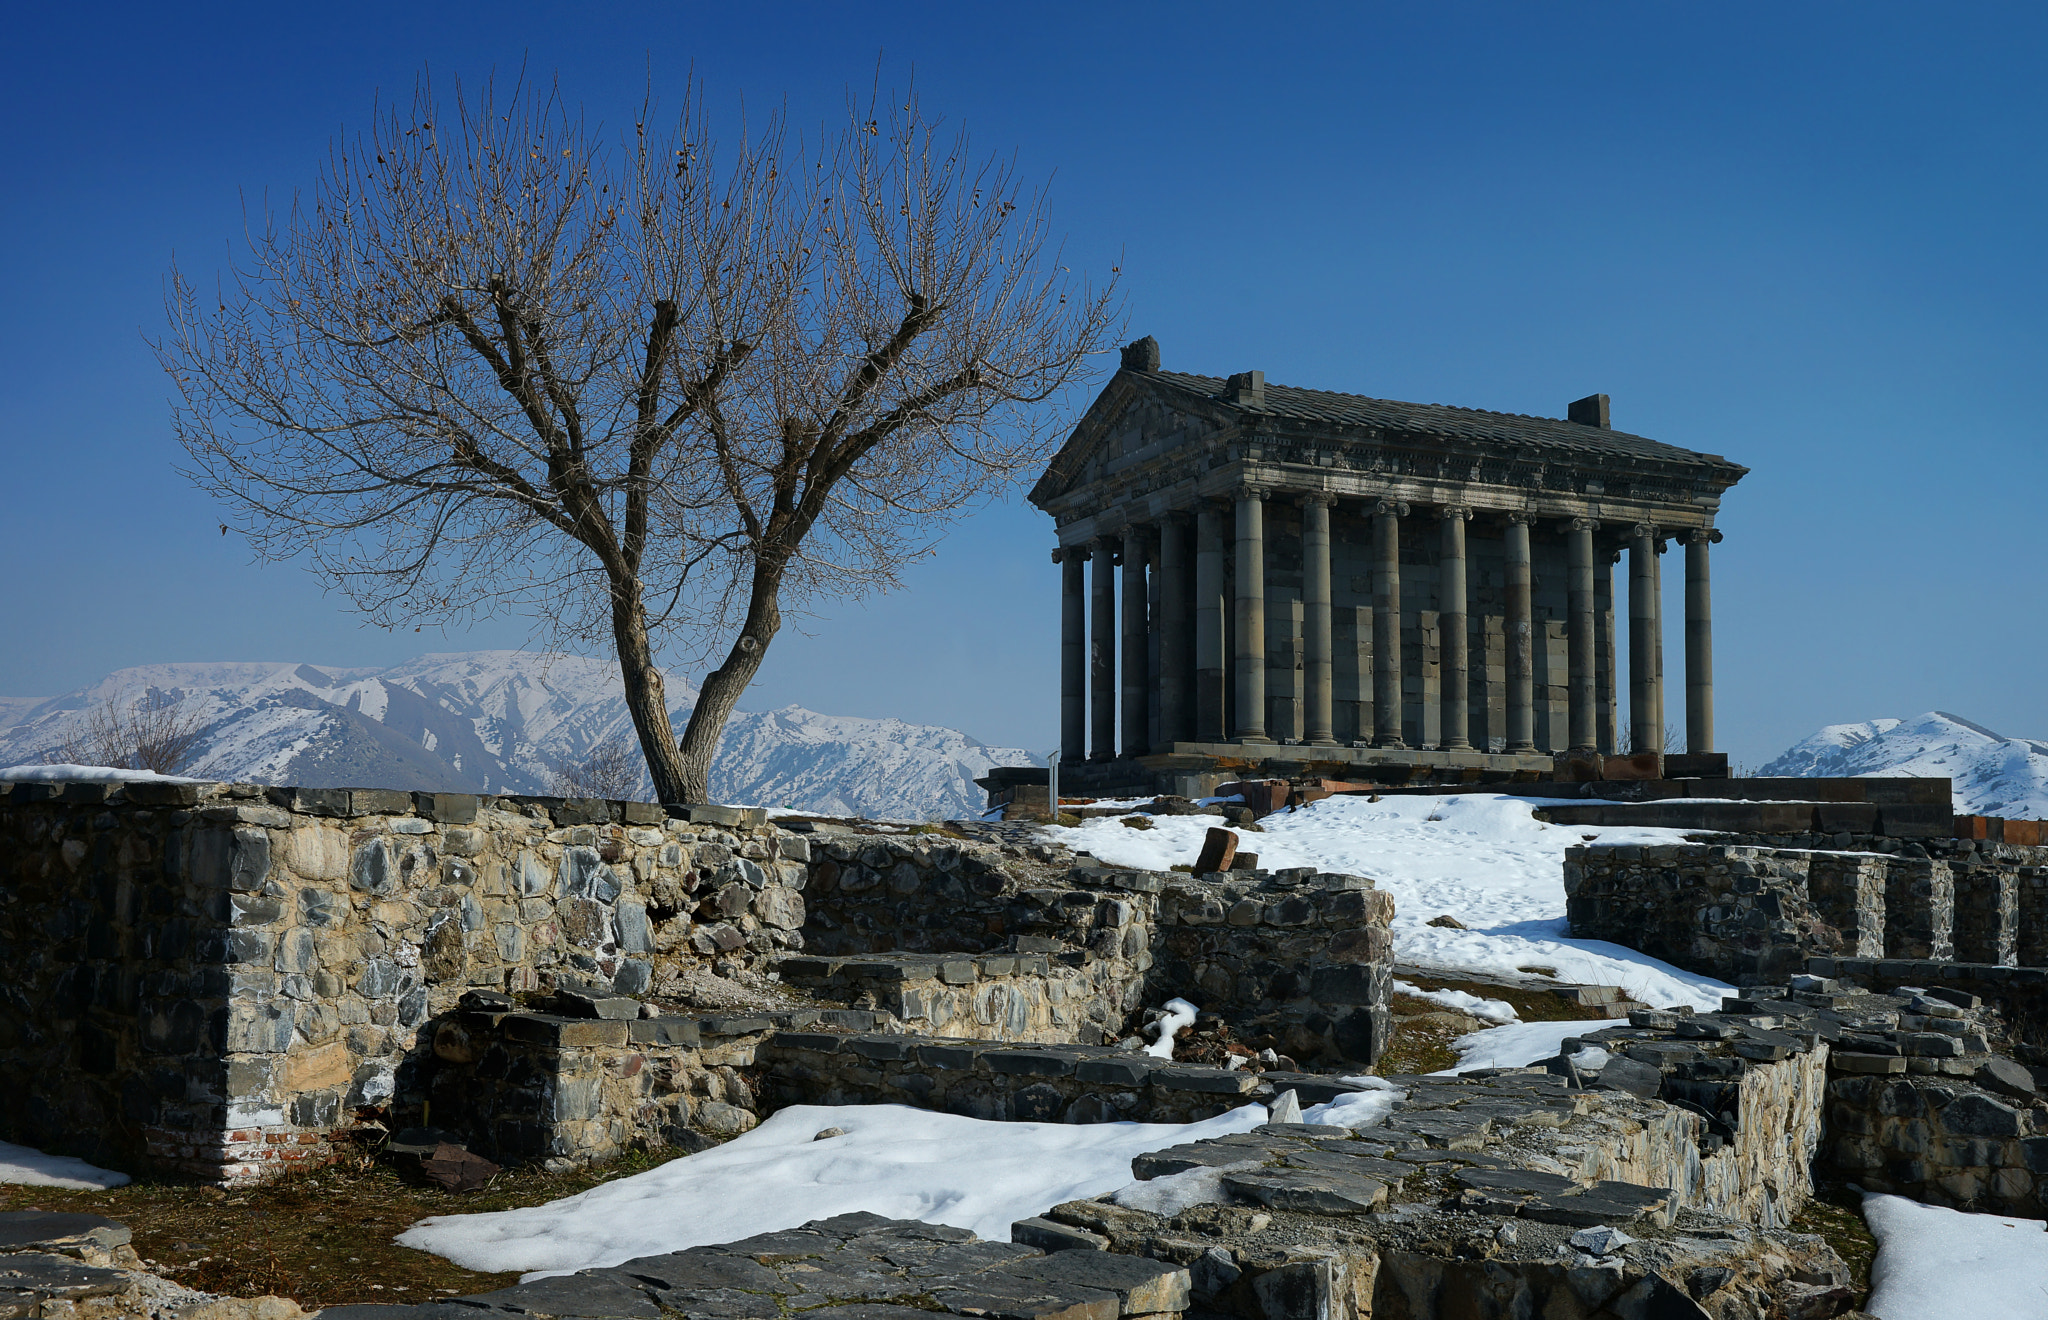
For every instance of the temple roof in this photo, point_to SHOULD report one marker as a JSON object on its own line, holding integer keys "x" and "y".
{"x": 1332, "y": 408}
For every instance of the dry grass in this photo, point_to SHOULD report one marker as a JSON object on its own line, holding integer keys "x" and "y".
{"x": 321, "y": 1238}
{"x": 1836, "y": 1214}
{"x": 1423, "y": 1031}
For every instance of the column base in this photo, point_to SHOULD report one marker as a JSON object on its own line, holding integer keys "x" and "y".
{"x": 1324, "y": 742}
{"x": 1391, "y": 745}
{"x": 1252, "y": 738}
{"x": 1517, "y": 749}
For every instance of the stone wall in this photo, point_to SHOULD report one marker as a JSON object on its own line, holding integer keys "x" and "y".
{"x": 1299, "y": 955}
{"x": 1004, "y": 996}
{"x": 1035, "y": 1084}
{"x": 1748, "y": 913}
{"x": 571, "y": 1090}
{"x": 1302, "y": 956}
{"x": 215, "y": 977}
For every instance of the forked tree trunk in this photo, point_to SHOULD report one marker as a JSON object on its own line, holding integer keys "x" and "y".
{"x": 724, "y": 685}
{"x": 646, "y": 695}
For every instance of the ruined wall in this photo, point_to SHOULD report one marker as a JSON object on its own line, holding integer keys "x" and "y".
{"x": 572, "y": 1090}
{"x": 1748, "y": 913}
{"x": 1296, "y": 954}
{"x": 1031, "y": 1083}
{"x": 213, "y": 977}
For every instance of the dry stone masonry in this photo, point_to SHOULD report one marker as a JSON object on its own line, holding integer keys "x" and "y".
{"x": 219, "y": 979}
{"x": 1749, "y": 913}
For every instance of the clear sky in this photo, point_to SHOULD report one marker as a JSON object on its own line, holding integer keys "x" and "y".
{"x": 1807, "y": 236}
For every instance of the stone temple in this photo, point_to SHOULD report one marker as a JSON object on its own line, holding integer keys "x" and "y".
{"x": 1256, "y": 571}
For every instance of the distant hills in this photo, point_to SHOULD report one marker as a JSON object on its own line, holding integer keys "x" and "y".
{"x": 502, "y": 722}
{"x": 1994, "y": 775}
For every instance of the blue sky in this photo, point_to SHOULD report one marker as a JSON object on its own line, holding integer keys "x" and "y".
{"x": 1809, "y": 237}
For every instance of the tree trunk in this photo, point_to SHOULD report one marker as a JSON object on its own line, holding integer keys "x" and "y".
{"x": 646, "y": 695}
{"x": 724, "y": 685}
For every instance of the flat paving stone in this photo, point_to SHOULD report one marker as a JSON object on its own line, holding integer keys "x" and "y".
{"x": 1311, "y": 1191}
{"x": 587, "y": 1294}
{"x": 24, "y": 1230}
{"x": 1144, "y": 1285}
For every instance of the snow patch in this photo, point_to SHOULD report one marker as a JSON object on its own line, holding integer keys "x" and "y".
{"x": 32, "y": 1168}
{"x": 893, "y": 1160}
{"x": 1934, "y": 1263}
{"x": 1497, "y": 1011}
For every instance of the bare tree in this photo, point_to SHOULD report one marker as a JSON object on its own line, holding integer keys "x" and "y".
{"x": 613, "y": 769}
{"x": 147, "y": 733}
{"x": 639, "y": 390}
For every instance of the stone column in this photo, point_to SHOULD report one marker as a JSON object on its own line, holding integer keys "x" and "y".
{"x": 1073, "y": 560}
{"x": 1137, "y": 733}
{"x": 1699, "y": 642}
{"x": 1450, "y": 576}
{"x": 1211, "y": 666}
{"x": 1176, "y": 631}
{"x": 1520, "y": 629}
{"x": 1603, "y": 644}
{"x": 1646, "y": 729}
{"x": 1386, "y": 623}
{"x": 1316, "y": 625}
{"x": 1250, "y": 616}
{"x": 1102, "y": 653}
{"x": 1583, "y": 659}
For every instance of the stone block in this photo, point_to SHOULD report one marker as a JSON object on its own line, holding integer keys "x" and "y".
{"x": 448, "y": 808}
{"x": 1046, "y": 1235}
{"x": 1030, "y": 1063}
{"x": 563, "y": 1033}
{"x": 1218, "y": 1081}
{"x": 667, "y": 1031}
{"x": 1143, "y": 1286}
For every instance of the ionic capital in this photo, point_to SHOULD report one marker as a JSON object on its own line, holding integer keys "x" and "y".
{"x": 1397, "y": 508}
{"x": 1322, "y": 497}
{"x": 1708, "y": 535}
{"x": 1176, "y": 517}
{"x": 1454, "y": 513}
{"x": 1522, "y": 516}
{"x": 1584, "y": 524}
{"x": 1246, "y": 490}
{"x": 1642, "y": 531}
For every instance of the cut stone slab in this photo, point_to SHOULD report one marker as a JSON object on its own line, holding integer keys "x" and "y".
{"x": 1143, "y": 1285}
{"x": 2006, "y": 1078}
{"x": 699, "y": 1268}
{"x": 28, "y": 1281}
{"x": 1313, "y": 1191}
{"x": 1001, "y": 1298}
{"x": 1048, "y": 1236}
{"x": 601, "y": 1295}
{"x": 44, "y": 1230}
{"x": 1602, "y": 1203}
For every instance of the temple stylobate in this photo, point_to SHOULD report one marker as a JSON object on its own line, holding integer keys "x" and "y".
{"x": 1254, "y": 569}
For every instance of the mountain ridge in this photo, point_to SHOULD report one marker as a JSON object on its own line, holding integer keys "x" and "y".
{"x": 1993, "y": 775}
{"x": 502, "y": 722}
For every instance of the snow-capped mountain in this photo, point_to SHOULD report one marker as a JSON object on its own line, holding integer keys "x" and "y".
{"x": 1994, "y": 775}
{"x": 503, "y": 722}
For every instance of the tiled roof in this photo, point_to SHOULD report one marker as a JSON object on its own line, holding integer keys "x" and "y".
{"x": 1356, "y": 410}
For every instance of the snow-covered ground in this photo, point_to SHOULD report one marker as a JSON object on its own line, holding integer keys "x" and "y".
{"x": 1937, "y": 1264}
{"x": 1480, "y": 857}
{"x": 30, "y": 1167}
{"x": 889, "y": 1159}
{"x": 1514, "y": 1045}
{"x": 893, "y": 1160}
